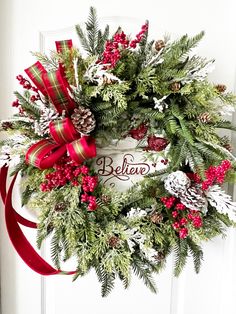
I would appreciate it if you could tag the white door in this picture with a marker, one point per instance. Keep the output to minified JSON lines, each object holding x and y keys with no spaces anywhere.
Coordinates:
{"x":29,"y":25}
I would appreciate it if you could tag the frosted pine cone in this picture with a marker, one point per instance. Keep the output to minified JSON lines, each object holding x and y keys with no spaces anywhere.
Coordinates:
{"x":193,"y":198}
{"x":83,"y":120}
{"x":205,"y":117}
{"x":178,"y":184}
{"x":41,"y":127}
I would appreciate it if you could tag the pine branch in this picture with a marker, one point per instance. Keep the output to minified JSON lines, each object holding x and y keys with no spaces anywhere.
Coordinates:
{"x":107,"y":280}
{"x":49,"y":63}
{"x":101,"y":40}
{"x":83,"y":39}
{"x":93,"y":40}
{"x":143,"y":272}
{"x":181,"y":254}
{"x":224,"y":124}
{"x":56,"y":248}
{"x":28,"y":106}
{"x":92,"y":30}
{"x":125,"y":280}
{"x":197,"y":254}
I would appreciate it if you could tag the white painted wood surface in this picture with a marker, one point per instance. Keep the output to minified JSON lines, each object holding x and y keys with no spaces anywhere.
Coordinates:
{"x":33,"y":25}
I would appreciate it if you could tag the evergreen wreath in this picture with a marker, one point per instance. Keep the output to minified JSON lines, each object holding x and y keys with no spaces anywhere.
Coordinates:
{"x":157,"y":94}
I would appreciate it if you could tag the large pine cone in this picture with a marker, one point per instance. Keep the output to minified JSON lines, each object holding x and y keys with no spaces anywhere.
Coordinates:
{"x":83,"y":120}
{"x":179,"y":185}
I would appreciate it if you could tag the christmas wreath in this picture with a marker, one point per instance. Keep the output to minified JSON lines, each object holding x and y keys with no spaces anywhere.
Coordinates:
{"x":155,"y":97}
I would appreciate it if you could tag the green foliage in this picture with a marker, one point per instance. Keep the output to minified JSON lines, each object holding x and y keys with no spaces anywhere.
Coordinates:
{"x":94,"y":39}
{"x":27,"y":105}
{"x":141,"y":269}
{"x":181,"y":254}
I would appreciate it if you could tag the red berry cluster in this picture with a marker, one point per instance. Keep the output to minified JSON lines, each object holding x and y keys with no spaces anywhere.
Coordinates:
{"x":216,"y":174}
{"x":139,"y":132}
{"x":111,"y":54}
{"x":182,"y":216}
{"x":139,"y":36}
{"x":164,"y":161}
{"x":27,"y":85}
{"x":69,"y":172}
{"x":89,"y":184}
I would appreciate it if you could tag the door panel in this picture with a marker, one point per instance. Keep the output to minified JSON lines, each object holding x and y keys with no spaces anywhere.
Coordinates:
{"x":32,"y":26}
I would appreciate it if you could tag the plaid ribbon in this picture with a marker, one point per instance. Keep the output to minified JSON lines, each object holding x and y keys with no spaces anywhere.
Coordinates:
{"x":57,"y":89}
{"x":45,"y":153}
{"x":53,"y":84}
{"x":35,"y":73}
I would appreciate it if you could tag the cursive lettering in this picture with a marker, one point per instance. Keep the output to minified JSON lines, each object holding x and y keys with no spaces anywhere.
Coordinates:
{"x":123,"y":171}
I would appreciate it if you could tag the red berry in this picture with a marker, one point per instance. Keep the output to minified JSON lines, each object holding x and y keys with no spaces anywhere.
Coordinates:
{"x":180,"y":206}
{"x":183,"y":221}
{"x":183,"y":233}
{"x":174,"y":214}
{"x":176,"y":225}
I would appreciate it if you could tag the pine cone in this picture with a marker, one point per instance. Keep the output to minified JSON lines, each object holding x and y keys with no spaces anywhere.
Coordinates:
{"x":60,"y":207}
{"x":105,"y":198}
{"x":6,"y":125}
{"x":156,"y":218}
{"x":42,"y":126}
{"x":204,"y":117}
{"x":175,"y":86}
{"x":114,"y":241}
{"x":226,"y":143}
{"x":193,"y":198}
{"x":83,"y":120}
{"x":107,"y":80}
{"x":160,"y":256}
{"x":178,"y":184}
{"x":221,"y":88}
{"x":229,"y":147}
{"x":159,"y":44}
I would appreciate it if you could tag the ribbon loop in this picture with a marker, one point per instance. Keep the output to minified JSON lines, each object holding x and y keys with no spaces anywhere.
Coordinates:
{"x":53,"y":84}
{"x":57,"y":89}
{"x":45,"y":153}
{"x":63,"y":131}
{"x":82,"y":149}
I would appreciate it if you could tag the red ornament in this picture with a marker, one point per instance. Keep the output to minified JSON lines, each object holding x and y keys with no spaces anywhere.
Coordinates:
{"x":139,"y":132}
{"x":156,"y":143}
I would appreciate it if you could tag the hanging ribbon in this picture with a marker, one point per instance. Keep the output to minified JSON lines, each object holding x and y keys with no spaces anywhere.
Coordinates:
{"x":3,"y":192}
{"x":18,"y":239}
{"x":53,"y":84}
{"x":45,"y":153}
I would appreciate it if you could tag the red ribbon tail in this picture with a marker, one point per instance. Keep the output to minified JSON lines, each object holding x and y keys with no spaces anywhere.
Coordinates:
{"x":3,"y":191}
{"x":19,"y":241}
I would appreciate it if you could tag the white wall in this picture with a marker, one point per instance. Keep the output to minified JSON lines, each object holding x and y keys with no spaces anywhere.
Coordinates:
{"x":213,"y":291}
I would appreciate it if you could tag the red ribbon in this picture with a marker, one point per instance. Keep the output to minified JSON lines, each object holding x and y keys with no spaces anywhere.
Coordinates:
{"x":45,"y":153}
{"x":53,"y":84}
{"x":18,"y":239}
